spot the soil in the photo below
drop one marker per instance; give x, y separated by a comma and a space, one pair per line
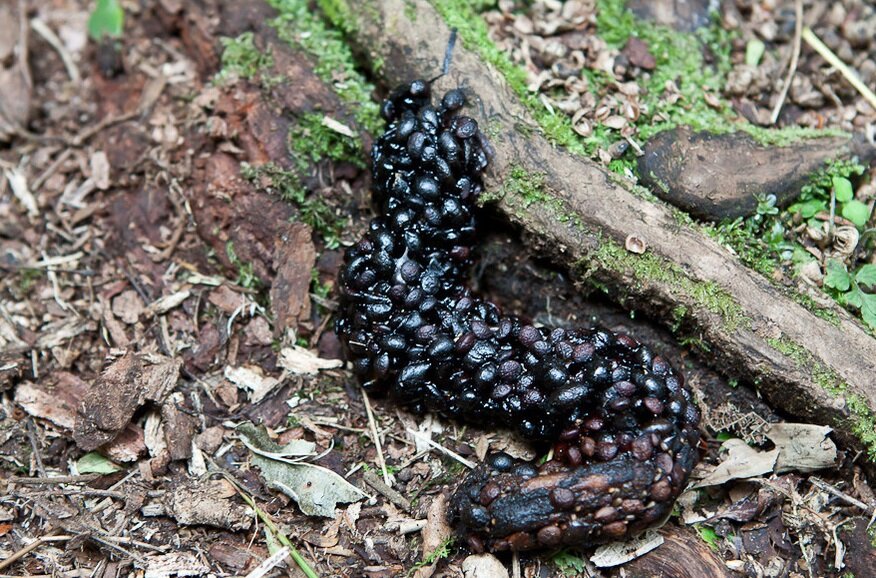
155, 295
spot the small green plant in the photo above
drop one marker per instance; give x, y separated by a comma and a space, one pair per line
311, 210
569, 564
320, 289
855, 289
107, 20
313, 141
242, 59
246, 277
442, 551
833, 181
709, 536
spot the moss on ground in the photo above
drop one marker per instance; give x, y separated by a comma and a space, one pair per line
312, 210
242, 59
312, 141
862, 419
301, 27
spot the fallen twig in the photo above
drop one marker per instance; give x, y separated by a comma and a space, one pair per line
795, 57
372, 424
832, 59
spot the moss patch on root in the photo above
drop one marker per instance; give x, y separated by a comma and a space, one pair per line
242, 59
312, 141
298, 25
862, 419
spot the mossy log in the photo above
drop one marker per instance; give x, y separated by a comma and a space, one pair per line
816, 364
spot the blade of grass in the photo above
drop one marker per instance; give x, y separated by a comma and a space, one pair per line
267, 521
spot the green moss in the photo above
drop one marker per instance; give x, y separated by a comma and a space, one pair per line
569, 563
410, 11
648, 267
241, 58
813, 307
298, 25
464, 17
339, 13
788, 135
862, 421
246, 276
311, 210
312, 141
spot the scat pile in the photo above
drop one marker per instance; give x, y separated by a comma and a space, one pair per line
622, 424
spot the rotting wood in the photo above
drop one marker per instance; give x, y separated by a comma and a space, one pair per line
576, 211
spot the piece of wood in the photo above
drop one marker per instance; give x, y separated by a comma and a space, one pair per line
719, 176
682, 555
581, 215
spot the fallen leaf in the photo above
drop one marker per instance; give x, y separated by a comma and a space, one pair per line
742, 461
802, 447
299, 360
618, 553
315, 489
257, 440
251, 379
94, 463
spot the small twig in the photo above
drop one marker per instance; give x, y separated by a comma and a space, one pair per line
372, 424
87, 493
467, 463
795, 57
393, 496
49, 36
106, 541
269, 563
56, 480
832, 59
34, 444
30, 548
51, 169
845, 497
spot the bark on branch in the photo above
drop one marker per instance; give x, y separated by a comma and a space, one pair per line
819, 370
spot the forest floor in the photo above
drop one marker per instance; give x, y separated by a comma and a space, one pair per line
168, 252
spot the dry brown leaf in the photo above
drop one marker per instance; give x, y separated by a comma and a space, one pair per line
299, 360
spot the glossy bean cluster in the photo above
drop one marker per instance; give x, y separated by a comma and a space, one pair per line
621, 424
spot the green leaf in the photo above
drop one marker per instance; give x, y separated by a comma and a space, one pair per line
866, 275
709, 536
868, 309
855, 297
857, 212
808, 208
754, 52
843, 189
94, 463
837, 276
107, 19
